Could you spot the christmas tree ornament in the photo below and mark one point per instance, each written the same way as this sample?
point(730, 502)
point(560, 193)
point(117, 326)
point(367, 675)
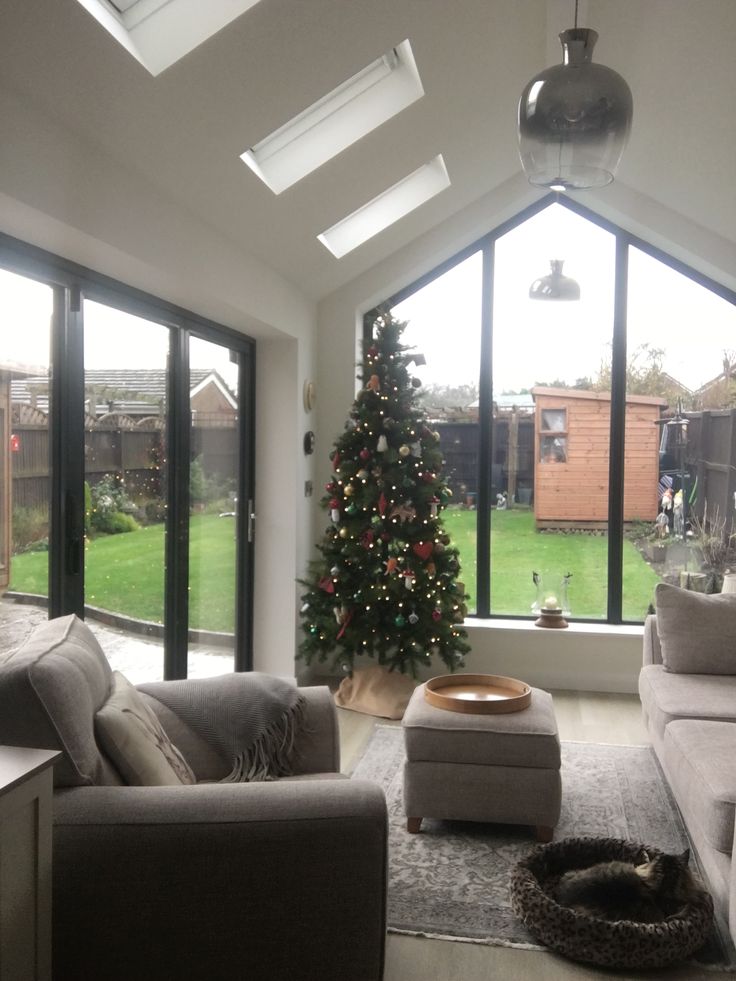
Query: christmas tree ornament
point(365, 454)
point(434, 503)
point(408, 578)
point(416, 382)
point(343, 532)
point(335, 571)
point(399, 620)
point(348, 490)
point(416, 448)
point(404, 450)
point(351, 509)
point(382, 444)
point(422, 549)
point(413, 618)
point(374, 384)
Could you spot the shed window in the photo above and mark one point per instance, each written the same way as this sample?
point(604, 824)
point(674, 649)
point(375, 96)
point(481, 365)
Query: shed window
point(553, 436)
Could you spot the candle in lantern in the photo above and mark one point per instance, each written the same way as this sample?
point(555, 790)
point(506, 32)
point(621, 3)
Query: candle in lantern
point(550, 602)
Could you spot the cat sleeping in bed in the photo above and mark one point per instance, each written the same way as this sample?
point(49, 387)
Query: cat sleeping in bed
point(645, 893)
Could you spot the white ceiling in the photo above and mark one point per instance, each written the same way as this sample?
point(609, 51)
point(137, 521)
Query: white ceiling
point(184, 130)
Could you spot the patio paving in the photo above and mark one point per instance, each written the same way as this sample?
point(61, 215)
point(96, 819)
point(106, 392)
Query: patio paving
point(138, 658)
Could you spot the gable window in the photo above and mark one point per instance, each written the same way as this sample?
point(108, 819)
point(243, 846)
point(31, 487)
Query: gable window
point(586, 438)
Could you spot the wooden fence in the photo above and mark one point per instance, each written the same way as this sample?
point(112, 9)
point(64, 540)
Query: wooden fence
point(135, 451)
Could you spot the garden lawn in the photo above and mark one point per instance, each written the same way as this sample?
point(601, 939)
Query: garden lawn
point(517, 550)
point(125, 573)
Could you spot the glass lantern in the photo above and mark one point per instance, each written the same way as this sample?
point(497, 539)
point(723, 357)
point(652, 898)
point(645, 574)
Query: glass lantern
point(551, 593)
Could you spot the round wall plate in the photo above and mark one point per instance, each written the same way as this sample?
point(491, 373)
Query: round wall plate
point(309, 394)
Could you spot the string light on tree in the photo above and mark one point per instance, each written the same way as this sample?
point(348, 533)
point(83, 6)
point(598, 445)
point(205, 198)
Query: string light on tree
point(392, 569)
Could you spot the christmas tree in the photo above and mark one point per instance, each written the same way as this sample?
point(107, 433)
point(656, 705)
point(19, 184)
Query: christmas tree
point(387, 584)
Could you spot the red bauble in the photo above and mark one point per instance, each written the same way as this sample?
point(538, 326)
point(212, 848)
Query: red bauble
point(365, 454)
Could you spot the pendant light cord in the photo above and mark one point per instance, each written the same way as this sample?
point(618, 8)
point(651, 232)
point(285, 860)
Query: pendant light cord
point(576, 14)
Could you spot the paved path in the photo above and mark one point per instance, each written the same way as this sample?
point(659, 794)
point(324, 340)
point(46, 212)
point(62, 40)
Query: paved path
point(138, 658)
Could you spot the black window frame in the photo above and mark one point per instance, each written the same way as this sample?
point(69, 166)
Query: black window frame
point(624, 240)
point(72, 283)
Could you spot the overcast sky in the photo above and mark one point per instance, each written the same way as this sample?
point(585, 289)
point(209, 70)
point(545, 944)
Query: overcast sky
point(533, 340)
point(538, 341)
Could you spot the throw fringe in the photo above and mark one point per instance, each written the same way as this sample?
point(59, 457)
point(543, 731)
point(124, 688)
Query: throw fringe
point(270, 756)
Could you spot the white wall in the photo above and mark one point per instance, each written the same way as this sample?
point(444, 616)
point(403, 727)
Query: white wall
point(67, 196)
point(580, 658)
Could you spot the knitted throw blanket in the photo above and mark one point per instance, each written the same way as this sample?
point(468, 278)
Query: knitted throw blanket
point(250, 718)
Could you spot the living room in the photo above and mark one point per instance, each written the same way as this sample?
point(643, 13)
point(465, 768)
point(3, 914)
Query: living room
point(137, 178)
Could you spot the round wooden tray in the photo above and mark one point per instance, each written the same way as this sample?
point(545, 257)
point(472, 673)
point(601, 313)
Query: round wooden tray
point(479, 694)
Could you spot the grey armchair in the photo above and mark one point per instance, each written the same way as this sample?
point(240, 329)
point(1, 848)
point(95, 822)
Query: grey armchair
point(276, 880)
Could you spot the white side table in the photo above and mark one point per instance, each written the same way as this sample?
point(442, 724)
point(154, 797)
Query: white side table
point(26, 788)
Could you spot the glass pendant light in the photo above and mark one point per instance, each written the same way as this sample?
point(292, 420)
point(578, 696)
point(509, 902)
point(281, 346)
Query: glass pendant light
point(574, 118)
point(554, 286)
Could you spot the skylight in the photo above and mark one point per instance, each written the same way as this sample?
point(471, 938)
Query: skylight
point(159, 32)
point(337, 120)
point(388, 207)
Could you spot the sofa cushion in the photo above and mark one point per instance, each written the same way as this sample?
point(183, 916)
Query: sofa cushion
point(666, 696)
point(697, 631)
point(134, 739)
point(701, 762)
point(50, 689)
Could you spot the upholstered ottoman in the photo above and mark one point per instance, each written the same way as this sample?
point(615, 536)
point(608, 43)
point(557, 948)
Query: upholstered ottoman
point(503, 767)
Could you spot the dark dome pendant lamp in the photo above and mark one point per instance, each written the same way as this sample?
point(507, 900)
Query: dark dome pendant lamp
point(574, 119)
point(555, 286)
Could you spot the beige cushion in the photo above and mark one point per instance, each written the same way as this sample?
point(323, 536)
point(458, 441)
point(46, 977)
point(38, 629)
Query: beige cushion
point(699, 757)
point(134, 739)
point(697, 632)
point(50, 689)
point(507, 739)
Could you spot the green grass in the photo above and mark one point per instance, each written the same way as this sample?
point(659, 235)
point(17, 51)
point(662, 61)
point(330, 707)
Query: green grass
point(517, 550)
point(125, 573)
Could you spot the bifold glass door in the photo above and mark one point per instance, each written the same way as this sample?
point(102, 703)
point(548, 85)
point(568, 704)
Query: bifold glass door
point(125, 466)
point(25, 407)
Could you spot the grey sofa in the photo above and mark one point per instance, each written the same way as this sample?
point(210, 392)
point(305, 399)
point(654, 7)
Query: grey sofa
point(687, 687)
point(275, 880)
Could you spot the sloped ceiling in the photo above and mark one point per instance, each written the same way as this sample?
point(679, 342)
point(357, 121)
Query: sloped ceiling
point(184, 130)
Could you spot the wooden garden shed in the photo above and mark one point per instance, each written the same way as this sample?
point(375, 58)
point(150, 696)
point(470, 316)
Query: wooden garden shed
point(571, 445)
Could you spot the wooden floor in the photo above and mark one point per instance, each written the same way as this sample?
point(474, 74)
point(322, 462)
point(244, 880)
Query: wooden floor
point(581, 717)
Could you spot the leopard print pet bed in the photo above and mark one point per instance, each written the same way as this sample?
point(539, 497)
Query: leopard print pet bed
point(586, 938)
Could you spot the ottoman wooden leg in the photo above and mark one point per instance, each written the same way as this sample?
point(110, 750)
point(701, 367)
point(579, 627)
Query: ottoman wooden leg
point(413, 825)
point(543, 833)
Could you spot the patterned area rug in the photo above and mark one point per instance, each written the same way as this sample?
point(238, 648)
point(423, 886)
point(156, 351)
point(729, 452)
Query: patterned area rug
point(452, 880)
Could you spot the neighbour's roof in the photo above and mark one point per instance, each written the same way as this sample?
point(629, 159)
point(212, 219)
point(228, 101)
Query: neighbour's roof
point(132, 391)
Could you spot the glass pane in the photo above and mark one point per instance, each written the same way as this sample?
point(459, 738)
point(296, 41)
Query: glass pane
point(212, 527)
point(551, 418)
point(681, 413)
point(444, 324)
point(125, 367)
point(24, 441)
